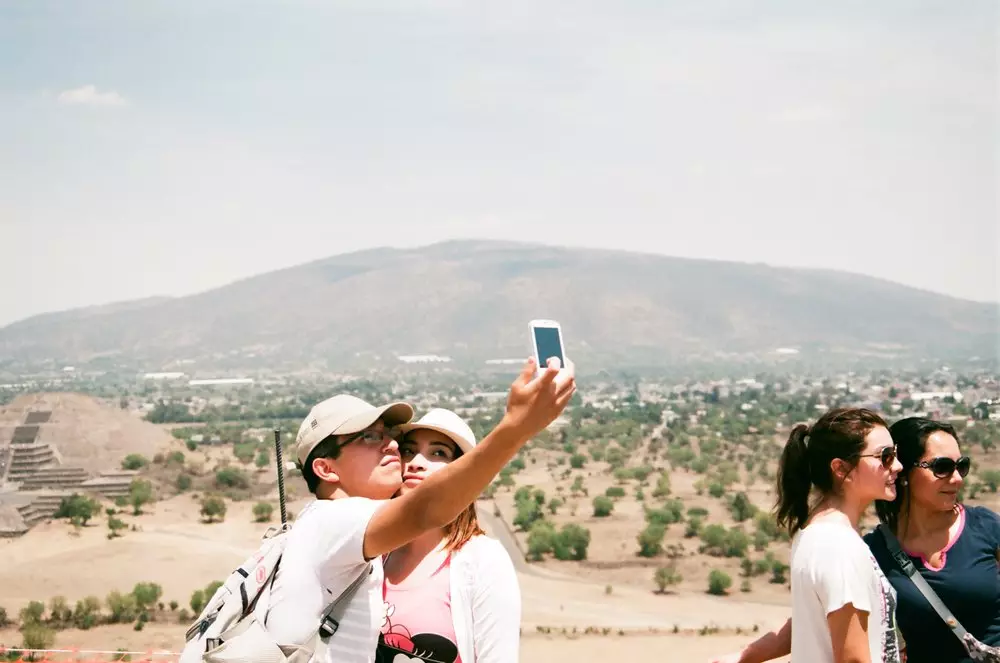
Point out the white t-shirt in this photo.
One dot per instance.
(323, 556)
(832, 567)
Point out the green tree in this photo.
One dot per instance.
(572, 542)
(146, 595)
(651, 540)
(541, 540)
(140, 493)
(32, 613)
(198, 601)
(78, 509)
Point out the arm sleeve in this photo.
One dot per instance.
(496, 607)
(339, 532)
(844, 574)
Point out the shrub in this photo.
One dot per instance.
(212, 508)
(666, 576)
(78, 509)
(651, 540)
(577, 461)
(146, 595)
(134, 462)
(32, 613)
(541, 540)
(262, 512)
(718, 582)
(140, 492)
(572, 542)
(603, 506)
(615, 491)
(198, 601)
(87, 613)
(123, 607)
(36, 636)
(231, 477)
(183, 482)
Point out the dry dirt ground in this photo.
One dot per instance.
(173, 548)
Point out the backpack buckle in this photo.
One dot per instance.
(328, 627)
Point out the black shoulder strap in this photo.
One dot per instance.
(906, 564)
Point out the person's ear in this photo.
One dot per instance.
(324, 469)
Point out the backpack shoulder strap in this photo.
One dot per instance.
(906, 564)
(330, 620)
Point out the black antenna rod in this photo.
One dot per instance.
(281, 476)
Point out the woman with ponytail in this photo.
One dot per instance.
(843, 607)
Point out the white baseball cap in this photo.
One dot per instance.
(448, 424)
(344, 414)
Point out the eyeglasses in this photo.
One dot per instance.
(372, 436)
(887, 456)
(942, 467)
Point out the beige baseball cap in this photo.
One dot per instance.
(344, 414)
(448, 424)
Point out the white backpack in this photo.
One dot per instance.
(231, 628)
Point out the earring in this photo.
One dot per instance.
(903, 482)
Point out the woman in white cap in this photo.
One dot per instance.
(451, 595)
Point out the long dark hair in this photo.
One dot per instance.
(808, 454)
(910, 437)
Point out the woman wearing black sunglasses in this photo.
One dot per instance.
(953, 547)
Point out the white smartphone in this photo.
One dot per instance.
(547, 340)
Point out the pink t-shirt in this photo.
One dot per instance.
(418, 626)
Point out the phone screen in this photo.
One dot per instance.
(548, 344)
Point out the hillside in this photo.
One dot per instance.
(472, 300)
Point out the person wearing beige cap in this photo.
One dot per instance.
(451, 595)
(349, 454)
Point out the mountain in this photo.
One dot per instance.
(472, 300)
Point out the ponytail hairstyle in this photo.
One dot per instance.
(806, 462)
(910, 437)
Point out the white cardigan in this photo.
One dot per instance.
(485, 602)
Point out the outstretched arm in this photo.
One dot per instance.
(765, 648)
(533, 403)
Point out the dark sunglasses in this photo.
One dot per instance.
(887, 456)
(943, 467)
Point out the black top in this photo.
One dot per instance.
(967, 582)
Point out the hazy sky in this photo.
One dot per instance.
(164, 147)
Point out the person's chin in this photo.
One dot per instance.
(888, 494)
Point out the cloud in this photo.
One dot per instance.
(88, 95)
